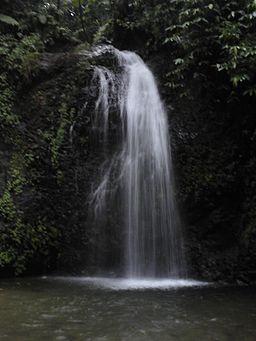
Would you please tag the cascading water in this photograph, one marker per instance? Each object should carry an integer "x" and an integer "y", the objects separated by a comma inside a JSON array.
[{"x": 143, "y": 169}]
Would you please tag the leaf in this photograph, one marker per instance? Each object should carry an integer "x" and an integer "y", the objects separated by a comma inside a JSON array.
[
  {"x": 42, "y": 19},
  {"x": 239, "y": 79},
  {"x": 8, "y": 20},
  {"x": 75, "y": 3},
  {"x": 178, "y": 61}
]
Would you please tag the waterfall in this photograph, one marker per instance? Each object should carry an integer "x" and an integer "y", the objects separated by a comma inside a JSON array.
[{"x": 143, "y": 168}]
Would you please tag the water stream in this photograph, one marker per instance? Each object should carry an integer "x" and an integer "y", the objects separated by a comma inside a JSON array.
[{"x": 143, "y": 168}]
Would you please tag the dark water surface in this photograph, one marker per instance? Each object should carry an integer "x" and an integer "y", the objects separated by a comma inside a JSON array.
[{"x": 58, "y": 309}]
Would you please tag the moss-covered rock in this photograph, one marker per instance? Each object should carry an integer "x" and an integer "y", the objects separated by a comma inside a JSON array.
[{"x": 43, "y": 163}]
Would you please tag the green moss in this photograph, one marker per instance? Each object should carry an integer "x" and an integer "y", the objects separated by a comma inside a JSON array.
[
  {"x": 59, "y": 137},
  {"x": 31, "y": 239},
  {"x": 13, "y": 187},
  {"x": 29, "y": 64},
  {"x": 7, "y": 206},
  {"x": 7, "y": 116},
  {"x": 6, "y": 257}
]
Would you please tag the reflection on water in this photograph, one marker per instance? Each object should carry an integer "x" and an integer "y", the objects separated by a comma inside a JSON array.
[{"x": 58, "y": 309}]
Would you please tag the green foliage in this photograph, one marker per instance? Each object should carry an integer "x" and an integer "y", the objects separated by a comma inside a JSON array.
[
  {"x": 8, "y": 20},
  {"x": 7, "y": 97},
  {"x": 18, "y": 59},
  {"x": 60, "y": 135},
  {"x": 7, "y": 206},
  {"x": 20, "y": 241},
  {"x": 103, "y": 32},
  {"x": 207, "y": 60},
  {"x": 207, "y": 35},
  {"x": 30, "y": 231},
  {"x": 95, "y": 17},
  {"x": 13, "y": 187},
  {"x": 17, "y": 54},
  {"x": 77, "y": 3}
]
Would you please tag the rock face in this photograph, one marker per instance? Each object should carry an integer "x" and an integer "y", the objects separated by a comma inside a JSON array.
[
  {"x": 48, "y": 154},
  {"x": 49, "y": 163},
  {"x": 51, "y": 158}
]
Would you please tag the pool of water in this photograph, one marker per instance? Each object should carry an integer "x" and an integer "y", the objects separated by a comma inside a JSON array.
[{"x": 70, "y": 308}]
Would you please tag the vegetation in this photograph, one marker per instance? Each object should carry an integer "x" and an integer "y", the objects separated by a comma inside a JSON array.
[{"x": 204, "y": 52}]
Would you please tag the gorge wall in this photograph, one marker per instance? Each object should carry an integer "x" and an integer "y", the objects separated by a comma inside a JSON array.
[{"x": 51, "y": 158}]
